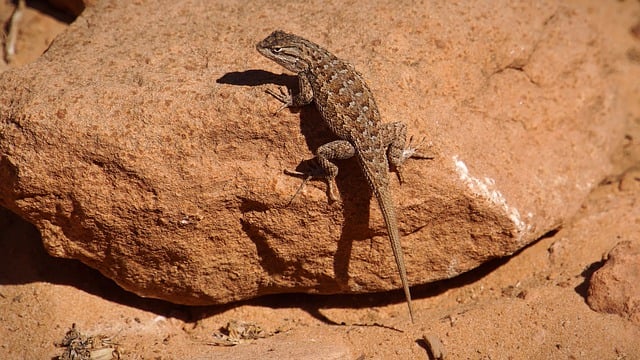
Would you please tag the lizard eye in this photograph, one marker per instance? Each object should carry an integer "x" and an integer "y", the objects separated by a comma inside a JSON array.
[{"x": 276, "y": 49}]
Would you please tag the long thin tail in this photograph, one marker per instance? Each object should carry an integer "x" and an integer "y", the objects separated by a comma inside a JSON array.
[{"x": 389, "y": 214}]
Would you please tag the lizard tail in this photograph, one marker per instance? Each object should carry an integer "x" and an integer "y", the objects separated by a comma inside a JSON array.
[{"x": 389, "y": 214}]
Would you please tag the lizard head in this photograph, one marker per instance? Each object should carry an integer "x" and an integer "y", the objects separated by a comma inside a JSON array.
[{"x": 286, "y": 49}]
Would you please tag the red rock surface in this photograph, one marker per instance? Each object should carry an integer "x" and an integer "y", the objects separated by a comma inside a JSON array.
[
  {"x": 615, "y": 288},
  {"x": 531, "y": 306},
  {"x": 148, "y": 150}
]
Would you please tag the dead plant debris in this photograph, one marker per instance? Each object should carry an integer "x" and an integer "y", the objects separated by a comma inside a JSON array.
[{"x": 78, "y": 346}]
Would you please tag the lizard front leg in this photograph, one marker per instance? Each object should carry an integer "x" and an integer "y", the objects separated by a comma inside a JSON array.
[{"x": 303, "y": 97}]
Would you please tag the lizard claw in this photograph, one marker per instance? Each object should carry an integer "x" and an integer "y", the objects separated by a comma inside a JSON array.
[
  {"x": 307, "y": 177},
  {"x": 285, "y": 98},
  {"x": 411, "y": 151}
]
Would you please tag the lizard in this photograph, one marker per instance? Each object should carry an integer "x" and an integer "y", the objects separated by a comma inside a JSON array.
[{"x": 348, "y": 107}]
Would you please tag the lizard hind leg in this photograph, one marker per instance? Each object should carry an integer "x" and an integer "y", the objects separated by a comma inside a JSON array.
[
  {"x": 398, "y": 151},
  {"x": 325, "y": 168},
  {"x": 315, "y": 172}
]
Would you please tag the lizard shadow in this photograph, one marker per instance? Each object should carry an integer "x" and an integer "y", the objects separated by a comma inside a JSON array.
[
  {"x": 258, "y": 77},
  {"x": 319, "y": 306},
  {"x": 352, "y": 187},
  {"x": 351, "y": 184},
  {"x": 353, "y": 190}
]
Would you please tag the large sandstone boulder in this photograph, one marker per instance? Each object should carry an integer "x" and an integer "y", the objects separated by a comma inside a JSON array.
[{"x": 143, "y": 144}]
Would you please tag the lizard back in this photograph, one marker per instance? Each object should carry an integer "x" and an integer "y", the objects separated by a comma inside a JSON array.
[{"x": 340, "y": 94}]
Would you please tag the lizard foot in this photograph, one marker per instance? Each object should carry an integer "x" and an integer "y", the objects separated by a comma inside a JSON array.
[
  {"x": 316, "y": 173},
  {"x": 411, "y": 151},
  {"x": 284, "y": 97}
]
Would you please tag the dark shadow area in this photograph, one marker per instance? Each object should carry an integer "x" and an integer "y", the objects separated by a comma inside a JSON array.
[
  {"x": 356, "y": 213},
  {"x": 583, "y": 288},
  {"x": 24, "y": 260},
  {"x": 259, "y": 77},
  {"x": 471, "y": 276},
  {"x": 351, "y": 184},
  {"x": 63, "y": 11},
  {"x": 313, "y": 304},
  {"x": 549, "y": 234},
  {"x": 423, "y": 344},
  {"x": 312, "y": 127},
  {"x": 433, "y": 347}
]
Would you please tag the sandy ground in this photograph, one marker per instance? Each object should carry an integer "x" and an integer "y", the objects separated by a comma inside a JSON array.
[{"x": 531, "y": 305}]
